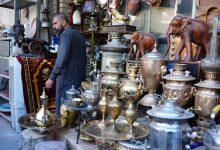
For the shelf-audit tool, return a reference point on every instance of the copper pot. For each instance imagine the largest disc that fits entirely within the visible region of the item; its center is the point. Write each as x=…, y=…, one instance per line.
x=178, y=85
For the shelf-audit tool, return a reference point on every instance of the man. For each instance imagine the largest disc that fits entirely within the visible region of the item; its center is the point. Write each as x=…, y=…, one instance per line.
x=70, y=66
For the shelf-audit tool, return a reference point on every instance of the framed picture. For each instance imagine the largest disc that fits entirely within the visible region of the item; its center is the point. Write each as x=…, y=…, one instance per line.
x=87, y=6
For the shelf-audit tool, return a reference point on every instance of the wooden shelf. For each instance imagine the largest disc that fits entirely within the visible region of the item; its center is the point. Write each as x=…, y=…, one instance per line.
x=4, y=94
x=5, y=75
x=6, y=115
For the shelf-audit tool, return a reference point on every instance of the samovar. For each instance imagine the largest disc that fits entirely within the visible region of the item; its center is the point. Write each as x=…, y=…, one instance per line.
x=151, y=64
x=111, y=77
x=178, y=85
x=113, y=51
x=207, y=95
x=169, y=127
x=66, y=111
x=44, y=118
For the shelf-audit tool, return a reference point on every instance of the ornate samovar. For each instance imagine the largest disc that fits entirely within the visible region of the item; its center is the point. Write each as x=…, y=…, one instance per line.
x=178, y=85
x=169, y=127
x=208, y=95
x=111, y=77
x=151, y=65
x=113, y=51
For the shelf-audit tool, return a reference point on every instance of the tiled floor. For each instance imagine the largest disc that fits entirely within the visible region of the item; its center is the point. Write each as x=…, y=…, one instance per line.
x=9, y=139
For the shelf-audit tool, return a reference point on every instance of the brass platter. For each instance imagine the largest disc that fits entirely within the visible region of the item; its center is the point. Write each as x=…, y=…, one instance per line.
x=28, y=121
x=97, y=129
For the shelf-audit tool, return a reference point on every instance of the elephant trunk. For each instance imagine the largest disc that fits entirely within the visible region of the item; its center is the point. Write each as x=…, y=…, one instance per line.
x=168, y=40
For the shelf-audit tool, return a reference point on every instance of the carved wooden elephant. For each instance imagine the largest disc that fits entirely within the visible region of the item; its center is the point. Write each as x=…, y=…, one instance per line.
x=143, y=41
x=190, y=31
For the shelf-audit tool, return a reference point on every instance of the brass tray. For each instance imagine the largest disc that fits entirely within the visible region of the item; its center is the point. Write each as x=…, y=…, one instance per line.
x=96, y=129
x=27, y=121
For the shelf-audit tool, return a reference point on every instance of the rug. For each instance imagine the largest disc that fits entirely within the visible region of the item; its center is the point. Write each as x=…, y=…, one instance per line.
x=35, y=71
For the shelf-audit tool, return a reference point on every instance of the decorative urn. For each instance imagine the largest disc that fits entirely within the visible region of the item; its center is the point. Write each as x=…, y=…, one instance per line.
x=178, y=85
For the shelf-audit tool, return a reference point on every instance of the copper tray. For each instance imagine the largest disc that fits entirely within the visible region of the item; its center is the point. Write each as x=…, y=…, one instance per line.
x=27, y=121
x=95, y=129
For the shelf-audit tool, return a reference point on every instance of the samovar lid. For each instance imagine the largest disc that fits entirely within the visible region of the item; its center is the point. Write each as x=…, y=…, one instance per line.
x=211, y=81
x=154, y=55
x=170, y=111
x=72, y=91
x=210, y=84
x=178, y=73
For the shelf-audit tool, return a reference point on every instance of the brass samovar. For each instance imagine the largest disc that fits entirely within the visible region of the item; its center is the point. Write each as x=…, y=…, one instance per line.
x=114, y=51
x=151, y=64
x=207, y=95
x=178, y=85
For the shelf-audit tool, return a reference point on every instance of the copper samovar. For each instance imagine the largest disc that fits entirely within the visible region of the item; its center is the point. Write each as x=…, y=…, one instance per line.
x=151, y=64
x=207, y=95
x=178, y=85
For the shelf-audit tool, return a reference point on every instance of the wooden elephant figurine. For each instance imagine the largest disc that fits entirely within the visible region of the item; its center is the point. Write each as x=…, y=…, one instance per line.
x=143, y=41
x=190, y=31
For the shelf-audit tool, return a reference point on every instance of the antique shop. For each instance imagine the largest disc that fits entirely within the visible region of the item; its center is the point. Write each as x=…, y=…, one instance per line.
x=152, y=77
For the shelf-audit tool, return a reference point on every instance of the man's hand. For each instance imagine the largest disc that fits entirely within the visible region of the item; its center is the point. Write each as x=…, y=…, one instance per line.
x=49, y=84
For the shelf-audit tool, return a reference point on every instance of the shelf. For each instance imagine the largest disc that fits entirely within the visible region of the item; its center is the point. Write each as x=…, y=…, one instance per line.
x=5, y=75
x=6, y=115
x=4, y=94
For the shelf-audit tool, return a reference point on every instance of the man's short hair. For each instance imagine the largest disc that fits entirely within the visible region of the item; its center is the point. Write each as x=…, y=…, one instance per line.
x=62, y=16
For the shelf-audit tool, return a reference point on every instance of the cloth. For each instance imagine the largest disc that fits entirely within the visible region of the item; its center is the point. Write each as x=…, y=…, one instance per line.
x=70, y=66
x=51, y=145
x=34, y=75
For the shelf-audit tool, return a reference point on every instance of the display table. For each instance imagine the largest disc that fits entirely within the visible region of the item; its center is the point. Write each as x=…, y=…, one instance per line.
x=71, y=136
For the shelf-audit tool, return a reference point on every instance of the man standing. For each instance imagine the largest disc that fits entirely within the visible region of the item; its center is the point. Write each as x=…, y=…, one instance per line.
x=70, y=66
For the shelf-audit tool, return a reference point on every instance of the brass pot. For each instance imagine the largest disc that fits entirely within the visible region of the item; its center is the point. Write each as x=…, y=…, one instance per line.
x=208, y=95
x=178, y=85
x=132, y=88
